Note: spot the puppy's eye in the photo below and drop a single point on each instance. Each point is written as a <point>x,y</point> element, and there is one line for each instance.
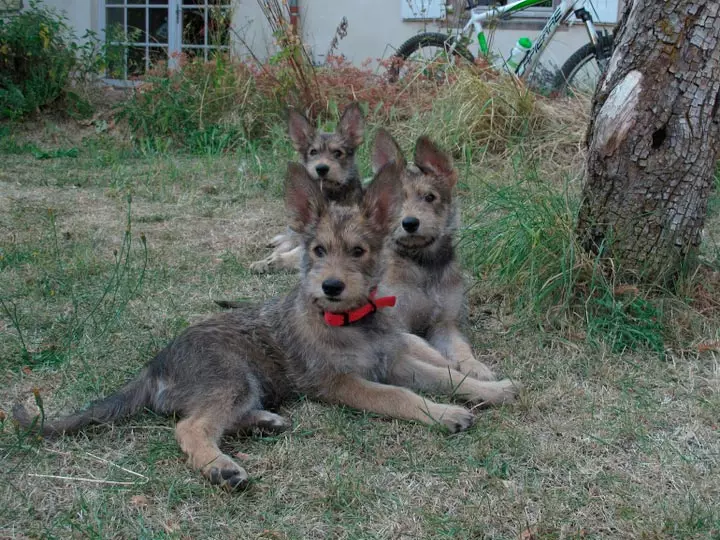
<point>430,197</point>
<point>319,252</point>
<point>312,152</point>
<point>337,154</point>
<point>357,252</point>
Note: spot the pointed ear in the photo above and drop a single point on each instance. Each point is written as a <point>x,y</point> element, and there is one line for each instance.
<point>303,199</point>
<point>385,150</point>
<point>352,125</point>
<point>300,130</point>
<point>383,198</point>
<point>431,160</point>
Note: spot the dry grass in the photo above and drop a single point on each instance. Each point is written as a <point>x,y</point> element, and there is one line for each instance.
<point>599,444</point>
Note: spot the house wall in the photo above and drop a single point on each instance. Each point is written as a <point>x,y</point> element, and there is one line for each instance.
<point>82,14</point>
<point>375,28</point>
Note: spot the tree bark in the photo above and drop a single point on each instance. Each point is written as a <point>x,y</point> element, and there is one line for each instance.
<point>654,139</point>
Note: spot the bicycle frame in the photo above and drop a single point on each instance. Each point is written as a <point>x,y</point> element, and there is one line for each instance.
<point>559,15</point>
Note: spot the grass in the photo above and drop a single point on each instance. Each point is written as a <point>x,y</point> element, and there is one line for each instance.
<point>606,440</point>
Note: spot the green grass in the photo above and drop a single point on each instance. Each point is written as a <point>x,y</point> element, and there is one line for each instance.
<point>605,441</point>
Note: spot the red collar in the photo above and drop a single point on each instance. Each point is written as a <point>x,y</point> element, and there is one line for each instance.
<point>348,317</point>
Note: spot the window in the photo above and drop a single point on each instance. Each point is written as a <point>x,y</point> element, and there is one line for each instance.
<point>150,31</point>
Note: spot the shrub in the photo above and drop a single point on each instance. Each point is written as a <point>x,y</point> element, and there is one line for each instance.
<point>37,56</point>
<point>205,107</point>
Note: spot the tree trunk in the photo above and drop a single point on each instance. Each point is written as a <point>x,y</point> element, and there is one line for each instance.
<point>654,139</point>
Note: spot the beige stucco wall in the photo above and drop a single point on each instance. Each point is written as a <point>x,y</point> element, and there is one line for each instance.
<point>375,28</point>
<point>82,14</point>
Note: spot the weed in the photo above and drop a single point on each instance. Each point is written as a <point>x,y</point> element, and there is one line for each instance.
<point>205,107</point>
<point>521,243</point>
<point>86,316</point>
<point>625,321</point>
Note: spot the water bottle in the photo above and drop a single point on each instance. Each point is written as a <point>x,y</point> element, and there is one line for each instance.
<point>518,52</point>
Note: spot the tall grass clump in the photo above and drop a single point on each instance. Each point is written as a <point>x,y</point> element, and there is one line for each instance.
<point>205,107</point>
<point>485,112</point>
<point>521,244</point>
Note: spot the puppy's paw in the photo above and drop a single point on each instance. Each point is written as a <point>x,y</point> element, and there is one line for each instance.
<point>477,370</point>
<point>454,418</point>
<point>499,392</point>
<point>278,240</point>
<point>262,266</point>
<point>273,423</point>
<point>224,472</point>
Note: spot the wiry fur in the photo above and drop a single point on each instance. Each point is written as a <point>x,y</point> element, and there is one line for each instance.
<point>423,271</point>
<point>330,160</point>
<point>221,375</point>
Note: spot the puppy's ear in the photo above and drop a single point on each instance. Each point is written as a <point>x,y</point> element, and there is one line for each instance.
<point>301,131</point>
<point>303,199</point>
<point>383,198</point>
<point>385,150</point>
<point>352,125</point>
<point>431,160</point>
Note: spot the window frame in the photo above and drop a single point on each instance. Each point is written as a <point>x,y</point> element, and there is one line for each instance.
<point>174,46</point>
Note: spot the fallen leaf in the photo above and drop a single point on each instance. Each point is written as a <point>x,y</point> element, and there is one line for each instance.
<point>170,526</point>
<point>710,346</point>
<point>139,501</point>
<point>529,534</point>
<point>626,289</point>
<point>243,456</point>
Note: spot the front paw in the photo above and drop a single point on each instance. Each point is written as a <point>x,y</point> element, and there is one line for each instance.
<point>224,472</point>
<point>477,370</point>
<point>262,266</point>
<point>277,240</point>
<point>454,418</point>
<point>499,392</point>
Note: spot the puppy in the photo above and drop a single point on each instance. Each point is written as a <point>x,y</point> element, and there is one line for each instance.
<point>331,338</point>
<point>329,159</point>
<point>423,271</point>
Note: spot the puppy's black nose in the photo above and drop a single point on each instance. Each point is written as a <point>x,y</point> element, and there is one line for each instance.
<point>322,170</point>
<point>410,224</point>
<point>333,287</point>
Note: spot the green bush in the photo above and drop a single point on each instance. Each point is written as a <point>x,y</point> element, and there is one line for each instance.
<point>204,107</point>
<point>37,57</point>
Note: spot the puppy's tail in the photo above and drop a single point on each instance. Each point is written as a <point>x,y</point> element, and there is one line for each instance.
<point>125,402</point>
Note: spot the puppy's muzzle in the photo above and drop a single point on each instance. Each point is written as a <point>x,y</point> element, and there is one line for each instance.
<point>333,288</point>
<point>411,224</point>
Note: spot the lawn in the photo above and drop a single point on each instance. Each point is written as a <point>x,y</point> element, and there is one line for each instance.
<point>106,252</point>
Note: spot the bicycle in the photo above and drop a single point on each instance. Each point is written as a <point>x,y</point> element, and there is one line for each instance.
<point>453,47</point>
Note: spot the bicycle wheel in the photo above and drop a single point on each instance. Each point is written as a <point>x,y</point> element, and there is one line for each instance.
<point>581,72</point>
<point>428,54</point>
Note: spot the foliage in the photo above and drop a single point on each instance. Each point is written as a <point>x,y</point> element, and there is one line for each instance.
<point>37,57</point>
<point>42,63</point>
<point>205,107</point>
<point>522,245</point>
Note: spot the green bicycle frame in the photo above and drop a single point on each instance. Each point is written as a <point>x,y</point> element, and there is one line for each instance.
<point>560,14</point>
<point>477,18</point>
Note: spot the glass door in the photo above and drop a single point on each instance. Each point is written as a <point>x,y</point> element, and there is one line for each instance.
<point>146,32</point>
<point>205,27</point>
